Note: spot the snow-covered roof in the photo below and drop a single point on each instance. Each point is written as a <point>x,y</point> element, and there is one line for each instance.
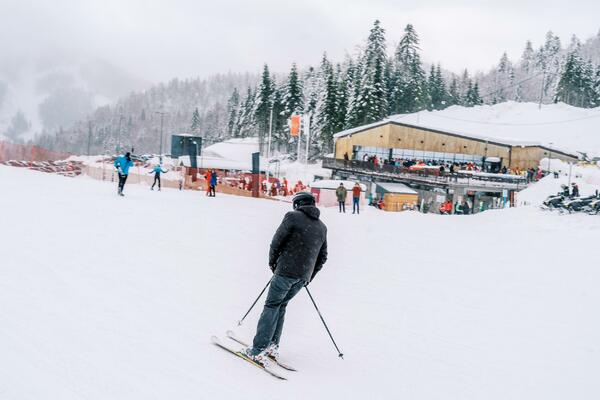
<point>558,127</point>
<point>396,188</point>
<point>334,184</point>
<point>233,149</point>
<point>233,154</point>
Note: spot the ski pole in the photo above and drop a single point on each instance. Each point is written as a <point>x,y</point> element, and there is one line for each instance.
<point>253,304</point>
<point>340,355</point>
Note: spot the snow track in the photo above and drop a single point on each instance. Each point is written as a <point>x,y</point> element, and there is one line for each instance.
<point>116,298</point>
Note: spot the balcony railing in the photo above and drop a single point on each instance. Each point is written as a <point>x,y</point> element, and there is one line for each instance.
<point>431,175</point>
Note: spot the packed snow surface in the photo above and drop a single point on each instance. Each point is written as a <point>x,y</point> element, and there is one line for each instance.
<point>116,298</point>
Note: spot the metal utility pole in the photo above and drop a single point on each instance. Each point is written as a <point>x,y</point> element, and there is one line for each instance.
<point>542,89</point>
<point>89,137</point>
<point>307,127</point>
<point>549,156</point>
<point>299,140</point>
<point>269,148</point>
<point>570,170</point>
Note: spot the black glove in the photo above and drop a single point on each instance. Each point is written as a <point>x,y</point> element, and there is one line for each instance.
<point>273,266</point>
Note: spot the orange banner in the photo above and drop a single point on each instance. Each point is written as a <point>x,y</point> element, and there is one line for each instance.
<point>295,125</point>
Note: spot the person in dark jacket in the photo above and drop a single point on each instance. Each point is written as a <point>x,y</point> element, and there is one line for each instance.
<point>466,209</point>
<point>574,190</point>
<point>341,193</point>
<point>297,253</point>
<point>157,171</point>
<point>213,182</point>
<point>122,164</point>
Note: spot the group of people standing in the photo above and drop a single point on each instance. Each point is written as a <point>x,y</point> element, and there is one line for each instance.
<point>341,192</point>
<point>211,182</point>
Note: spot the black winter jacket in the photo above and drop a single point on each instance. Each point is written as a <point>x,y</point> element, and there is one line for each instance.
<point>299,247</point>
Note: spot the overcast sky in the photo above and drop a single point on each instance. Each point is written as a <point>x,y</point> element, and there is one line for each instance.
<point>159,40</point>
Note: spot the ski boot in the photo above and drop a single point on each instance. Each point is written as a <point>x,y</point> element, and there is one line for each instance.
<point>272,351</point>
<point>260,358</point>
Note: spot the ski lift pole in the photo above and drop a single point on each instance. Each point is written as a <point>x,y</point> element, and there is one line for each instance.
<point>340,355</point>
<point>253,304</point>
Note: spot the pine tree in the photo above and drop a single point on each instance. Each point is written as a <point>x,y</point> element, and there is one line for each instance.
<point>576,85</point>
<point>411,94</point>
<point>549,62</point>
<point>246,122</point>
<point>293,98</point>
<point>280,126</point>
<point>437,89</point>
<point>18,126</point>
<point>326,119</point>
<point>195,126</point>
<point>233,110</point>
<point>372,102</point>
<point>472,97</point>
<point>354,72</point>
<point>596,90</point>
<point>528,58</point>
<point>454,97</point>
<point>343,95</point>
<point>264,103</point>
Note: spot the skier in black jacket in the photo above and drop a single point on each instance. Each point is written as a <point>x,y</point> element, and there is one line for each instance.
<point>298,251</point>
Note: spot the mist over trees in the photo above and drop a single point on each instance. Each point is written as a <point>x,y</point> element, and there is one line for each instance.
<point>375,82</point>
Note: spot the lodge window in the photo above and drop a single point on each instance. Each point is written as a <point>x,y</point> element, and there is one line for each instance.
<point>361,152</point>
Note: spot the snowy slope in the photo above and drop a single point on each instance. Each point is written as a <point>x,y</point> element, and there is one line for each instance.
<point>116,298</point>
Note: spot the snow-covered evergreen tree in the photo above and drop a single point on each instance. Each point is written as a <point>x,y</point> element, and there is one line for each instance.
<point>354,73</point>
<point>472,98</point>
<point>343,95</point>
<point>195,125</point>
<point>411,94</point>
<point>263,106</point>
<point>371,104</point>
<point>454,96</point>
<point>438,94</point>
<point>233,111</point>
<point>246,121</point>
<point>577,82</point>
<point>293,98</point>
<point>326,118</point>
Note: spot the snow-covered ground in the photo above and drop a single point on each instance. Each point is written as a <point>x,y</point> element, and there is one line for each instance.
<point>116,298</point>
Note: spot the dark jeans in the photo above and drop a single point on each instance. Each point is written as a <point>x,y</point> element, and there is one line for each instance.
<point>122,179</point>
<point>270,324</point>
<point>156,179</point>
<point>355,205</point>
<point>342,205</point>
<point>212,191</point>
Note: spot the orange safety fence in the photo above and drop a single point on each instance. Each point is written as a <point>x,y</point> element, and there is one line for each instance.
<point>28,152</point>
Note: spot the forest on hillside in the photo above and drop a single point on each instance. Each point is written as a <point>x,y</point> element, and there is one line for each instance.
<point>376,82</point>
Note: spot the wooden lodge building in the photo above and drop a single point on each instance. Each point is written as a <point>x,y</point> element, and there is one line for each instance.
<point>396,139</point>
<point>391,139</point>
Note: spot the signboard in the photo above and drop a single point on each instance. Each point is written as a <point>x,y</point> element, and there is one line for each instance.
<point>295,125</point>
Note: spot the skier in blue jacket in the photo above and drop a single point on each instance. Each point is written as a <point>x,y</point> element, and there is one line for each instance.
<point>122,164</point>
<point>156,171</point>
